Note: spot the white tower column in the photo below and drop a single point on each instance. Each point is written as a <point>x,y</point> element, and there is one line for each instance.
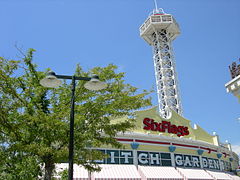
<point>159,30</point>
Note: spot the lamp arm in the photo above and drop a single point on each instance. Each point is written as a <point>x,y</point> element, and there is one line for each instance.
<point>71,77</point>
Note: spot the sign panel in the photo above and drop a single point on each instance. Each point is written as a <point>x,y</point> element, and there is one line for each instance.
<point>187,161</point>
<point>119,157</point>
<point>210,163</point>
<point>143,158</point>
<point>147,158</point>
<point>226,166</point>
<point>154,158</point>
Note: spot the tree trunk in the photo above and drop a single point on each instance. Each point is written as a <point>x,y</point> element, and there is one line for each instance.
<point>49,167</point>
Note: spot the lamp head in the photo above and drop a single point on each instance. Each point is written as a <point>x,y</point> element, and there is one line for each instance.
<point>50,81</point>
<point>95,84</point>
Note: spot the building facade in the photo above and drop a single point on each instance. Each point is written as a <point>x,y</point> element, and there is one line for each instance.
<point>156,141</point>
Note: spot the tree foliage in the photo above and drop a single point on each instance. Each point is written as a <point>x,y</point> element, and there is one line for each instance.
<point>35,120</point>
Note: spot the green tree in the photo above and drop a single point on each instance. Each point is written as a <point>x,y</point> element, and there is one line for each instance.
<point>35,120</point>
<point>16,165</point>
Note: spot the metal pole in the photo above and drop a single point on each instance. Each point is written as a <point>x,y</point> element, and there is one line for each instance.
<point>46,82</point>
<point>71,137</point>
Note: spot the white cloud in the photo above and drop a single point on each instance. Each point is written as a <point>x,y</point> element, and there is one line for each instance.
<point>236,149</point>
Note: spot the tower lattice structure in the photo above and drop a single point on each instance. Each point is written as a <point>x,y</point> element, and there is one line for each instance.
<point>159,30</point>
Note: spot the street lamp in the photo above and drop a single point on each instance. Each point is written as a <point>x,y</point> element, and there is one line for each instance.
<point>93,83</point>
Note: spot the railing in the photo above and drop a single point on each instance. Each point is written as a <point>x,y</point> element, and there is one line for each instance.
<point>156,19</point>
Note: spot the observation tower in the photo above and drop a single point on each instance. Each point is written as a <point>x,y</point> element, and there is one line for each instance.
<point>159,30</point>
<point>233,86</point>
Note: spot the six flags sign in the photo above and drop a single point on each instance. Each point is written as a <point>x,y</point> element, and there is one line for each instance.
<point>165,126</point>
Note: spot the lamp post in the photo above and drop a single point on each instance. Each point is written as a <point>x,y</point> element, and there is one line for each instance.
<point>93,83</point>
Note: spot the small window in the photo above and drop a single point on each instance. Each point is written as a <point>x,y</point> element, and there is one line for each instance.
<point>156,19</point>
<point>166,18</point>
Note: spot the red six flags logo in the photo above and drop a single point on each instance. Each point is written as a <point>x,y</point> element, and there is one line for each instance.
<point>165,126</point>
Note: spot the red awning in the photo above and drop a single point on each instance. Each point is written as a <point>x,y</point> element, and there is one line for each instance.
<point>191,174</point>
<point>117,172</point>
<point>234,177</point>
<point>159,172</point>
<point>219,175</point>
<point>130,172</point>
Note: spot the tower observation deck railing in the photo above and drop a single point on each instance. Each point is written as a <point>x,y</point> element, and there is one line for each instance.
<point>165,18</point>
<point>160,21</point>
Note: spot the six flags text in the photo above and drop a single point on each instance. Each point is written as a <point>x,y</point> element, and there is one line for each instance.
<point>150,124</point>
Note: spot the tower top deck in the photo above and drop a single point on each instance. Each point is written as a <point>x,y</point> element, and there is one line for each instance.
<point>233,85</point>
<point>157,20</point>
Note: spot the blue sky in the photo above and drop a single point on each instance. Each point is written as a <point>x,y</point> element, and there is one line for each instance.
<point>99,32</point>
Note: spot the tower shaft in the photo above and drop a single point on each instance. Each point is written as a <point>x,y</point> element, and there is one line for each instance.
<point>158,31</point>
<point>165,74</point>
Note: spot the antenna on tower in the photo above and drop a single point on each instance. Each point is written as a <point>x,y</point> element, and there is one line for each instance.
<point>157,10</point>
<point>155,2</point>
